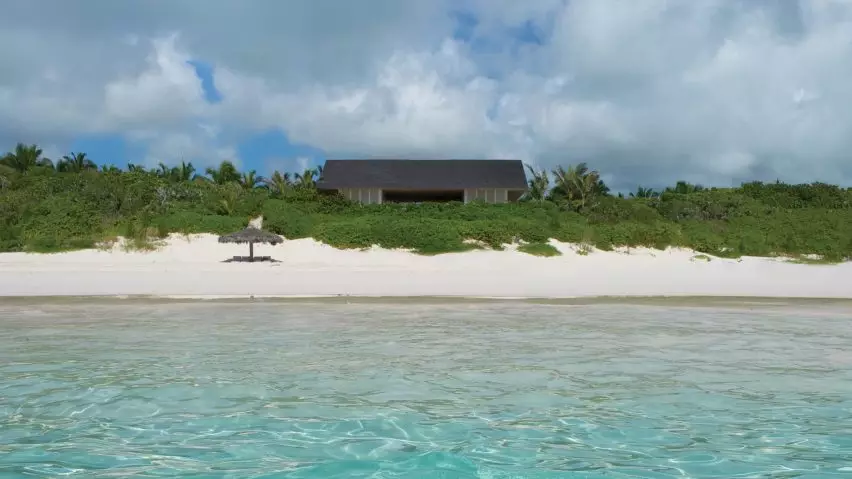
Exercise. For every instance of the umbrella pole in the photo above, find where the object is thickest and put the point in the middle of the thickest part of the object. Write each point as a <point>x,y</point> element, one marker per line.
<point>251,251</point>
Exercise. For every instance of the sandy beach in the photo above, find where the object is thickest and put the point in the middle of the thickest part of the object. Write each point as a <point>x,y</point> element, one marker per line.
<point>192,266</point>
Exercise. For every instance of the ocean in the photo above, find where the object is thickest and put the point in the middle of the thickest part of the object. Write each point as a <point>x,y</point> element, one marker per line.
<point>424,389</point>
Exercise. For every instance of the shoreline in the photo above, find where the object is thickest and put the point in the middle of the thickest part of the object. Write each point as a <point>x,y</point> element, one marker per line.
<point>733,302</point>
<point>191,268</point>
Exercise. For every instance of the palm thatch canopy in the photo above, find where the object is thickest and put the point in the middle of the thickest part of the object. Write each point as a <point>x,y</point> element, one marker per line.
<point>251,235</point>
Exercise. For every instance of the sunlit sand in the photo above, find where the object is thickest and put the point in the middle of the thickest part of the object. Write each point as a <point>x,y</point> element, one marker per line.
<point>192,266</point>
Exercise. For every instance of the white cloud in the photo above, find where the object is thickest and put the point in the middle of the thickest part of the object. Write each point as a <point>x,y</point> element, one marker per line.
<point>174,147</point>
<point>302,163</point>
<point>166,91</point>
<point>417,104</point>
<point>649,90</point>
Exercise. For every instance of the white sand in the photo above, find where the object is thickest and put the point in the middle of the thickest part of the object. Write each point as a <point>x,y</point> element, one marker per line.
<point>193,267</point>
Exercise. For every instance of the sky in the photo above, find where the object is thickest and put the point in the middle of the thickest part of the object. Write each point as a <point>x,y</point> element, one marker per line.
<point>645,91</point>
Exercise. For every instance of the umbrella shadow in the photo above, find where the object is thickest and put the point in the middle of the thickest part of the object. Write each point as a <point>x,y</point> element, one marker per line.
<point>251,259</point>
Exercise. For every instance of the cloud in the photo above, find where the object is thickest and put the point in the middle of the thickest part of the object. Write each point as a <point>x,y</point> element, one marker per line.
<point>649,91</point>
<point>303,164</point>
<point>416,104</point>
<point>166,91</point>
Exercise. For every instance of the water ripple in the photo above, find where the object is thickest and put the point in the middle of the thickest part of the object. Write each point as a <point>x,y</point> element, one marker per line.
<point>385,391</point>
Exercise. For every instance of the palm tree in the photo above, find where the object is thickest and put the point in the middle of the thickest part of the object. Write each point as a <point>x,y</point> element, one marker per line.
<point>25,158</point>
<point>134,168</point>
<point>591,187</point>
<point>685,188</point>
<point>278,183</point>
<point>539,184</point>
<point>184,172</point>
<point>75,163</point>
<point>306,179</point>
<point>250,180</point>
<point>565,182</point>
<point>179,174</point>
<point>224,174</point>
<point>601,188</point>
<point>577,185</point>
<point>163,171</point>
<point>644,193</point>
<point>110,169</point>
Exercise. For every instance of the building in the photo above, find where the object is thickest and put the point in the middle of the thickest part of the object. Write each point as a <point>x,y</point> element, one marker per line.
<point>381,181</point>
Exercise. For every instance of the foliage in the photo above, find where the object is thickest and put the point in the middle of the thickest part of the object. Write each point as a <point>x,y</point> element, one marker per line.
<point>224,174</point>
<point>684,188</point>
<point>75,163</point>
<point>73,204</point>
<point>307,179</point>
<point>25,158</point>
<point>538,185</point>
<point>644,193</point>
<point>539,249</point>
<point>577,187</point>
<point>278,184</point>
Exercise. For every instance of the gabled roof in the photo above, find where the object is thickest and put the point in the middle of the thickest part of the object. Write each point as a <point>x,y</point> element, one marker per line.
<point>423,174</point>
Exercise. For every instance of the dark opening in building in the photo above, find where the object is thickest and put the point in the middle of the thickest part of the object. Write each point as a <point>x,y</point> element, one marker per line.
<point>391,196</point>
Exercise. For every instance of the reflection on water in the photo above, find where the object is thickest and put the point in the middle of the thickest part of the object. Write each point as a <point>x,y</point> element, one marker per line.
<point>423,391</point>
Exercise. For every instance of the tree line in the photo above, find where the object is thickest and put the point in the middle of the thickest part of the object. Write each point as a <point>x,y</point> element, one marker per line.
<point>29,159</point>
<point>575,186</point>
<point>75,203</point>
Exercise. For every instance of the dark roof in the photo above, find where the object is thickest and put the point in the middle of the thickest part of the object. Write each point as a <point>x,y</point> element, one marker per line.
<point>423,174</point>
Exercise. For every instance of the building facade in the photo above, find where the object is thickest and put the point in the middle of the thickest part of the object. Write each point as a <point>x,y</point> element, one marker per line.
<point>383,181</point>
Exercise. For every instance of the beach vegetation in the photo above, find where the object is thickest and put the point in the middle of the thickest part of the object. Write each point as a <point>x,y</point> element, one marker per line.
<point>74,203</point>
<point>539,249</point>
<point>583,249</point>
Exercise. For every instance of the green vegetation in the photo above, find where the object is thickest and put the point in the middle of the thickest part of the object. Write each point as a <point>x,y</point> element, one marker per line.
<point>539,249</point>
<point>47,206</point>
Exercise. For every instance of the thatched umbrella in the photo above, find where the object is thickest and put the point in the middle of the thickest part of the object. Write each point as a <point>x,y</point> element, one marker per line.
<point>251,235</point>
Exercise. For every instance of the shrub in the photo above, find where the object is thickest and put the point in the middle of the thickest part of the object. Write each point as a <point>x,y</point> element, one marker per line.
<point>193,223</point>
<point>540,249</point>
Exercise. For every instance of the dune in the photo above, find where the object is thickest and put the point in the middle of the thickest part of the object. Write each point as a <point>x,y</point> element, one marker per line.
<point>191,266</point>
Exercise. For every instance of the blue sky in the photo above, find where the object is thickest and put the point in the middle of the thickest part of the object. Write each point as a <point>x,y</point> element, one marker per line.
<point>647,91</point>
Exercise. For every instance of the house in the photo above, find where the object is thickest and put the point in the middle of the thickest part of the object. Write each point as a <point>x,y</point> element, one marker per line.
<point>380,181</point>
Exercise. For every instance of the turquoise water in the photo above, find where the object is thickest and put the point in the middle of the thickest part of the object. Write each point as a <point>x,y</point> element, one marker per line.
<point>423,391</point>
